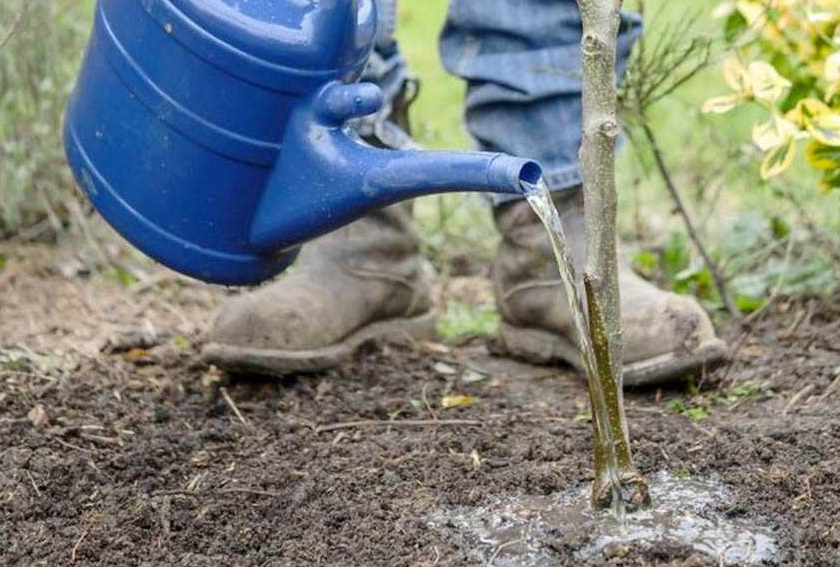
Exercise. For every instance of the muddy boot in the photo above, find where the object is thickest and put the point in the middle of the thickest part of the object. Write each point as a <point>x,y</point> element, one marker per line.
<point>666,335</point>
<point>362,283</point>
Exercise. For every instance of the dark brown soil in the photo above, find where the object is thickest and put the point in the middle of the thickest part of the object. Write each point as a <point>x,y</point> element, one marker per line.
<point>120,448</point>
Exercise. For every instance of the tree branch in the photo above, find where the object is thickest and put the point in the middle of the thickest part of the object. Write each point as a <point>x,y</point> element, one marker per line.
<point>15,25</point>
<point>665,173</point>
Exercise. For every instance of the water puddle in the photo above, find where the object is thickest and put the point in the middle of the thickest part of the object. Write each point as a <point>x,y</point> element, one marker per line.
<point>529,531</point>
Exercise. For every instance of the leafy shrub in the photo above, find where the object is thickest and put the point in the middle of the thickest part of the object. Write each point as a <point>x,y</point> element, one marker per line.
<point>786,59</point>
<point>37,67</point>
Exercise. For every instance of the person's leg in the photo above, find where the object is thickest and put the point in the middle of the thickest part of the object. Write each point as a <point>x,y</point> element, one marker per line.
<point>388,69</point>
<point>521,61</point>
<point>364,282</point>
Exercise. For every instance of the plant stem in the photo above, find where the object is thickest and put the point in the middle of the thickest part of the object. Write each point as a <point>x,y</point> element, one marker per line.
<point>665,173</point>
<point>615,475</point>
<point>15,24</point>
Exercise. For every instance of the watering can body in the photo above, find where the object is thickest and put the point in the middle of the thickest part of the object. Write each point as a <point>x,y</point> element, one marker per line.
<point>210,134</point>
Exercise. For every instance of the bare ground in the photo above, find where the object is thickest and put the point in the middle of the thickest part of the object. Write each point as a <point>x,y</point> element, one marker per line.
<point>120,447</point>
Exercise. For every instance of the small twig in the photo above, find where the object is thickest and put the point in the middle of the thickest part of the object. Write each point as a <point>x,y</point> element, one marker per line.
<point>229,401</point>
<point>35,486</point>
<point>710,434</point>
<point>158,279</point>
<point>777,287</point>
<point>199,493</point>
<point>93,243</point>
<point>798,396</point>
<point>190,493</point>
<point>70,445</point>
<point>425,399</point>
<point>733,354</point>
<point>22,374</point>
<point>78,543</point>
<point>800,315</point>
<point>500,549</point>
<point>248,491</point>
<point>15,25</point>
<point>816,234</point>
<point>401,422</point>
<point>665,173</point>
<point>830,390</point>
<point>113,441</point>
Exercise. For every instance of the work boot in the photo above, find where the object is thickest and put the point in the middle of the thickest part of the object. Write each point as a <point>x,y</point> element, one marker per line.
<point>365,282</point>
<point>362,283</point>
<point>666,336</point>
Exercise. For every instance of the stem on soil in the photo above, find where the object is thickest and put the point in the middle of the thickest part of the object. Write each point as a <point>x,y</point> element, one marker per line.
<point>616,477</point>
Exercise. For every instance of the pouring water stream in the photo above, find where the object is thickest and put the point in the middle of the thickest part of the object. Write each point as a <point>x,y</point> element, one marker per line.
<point>540,200</point>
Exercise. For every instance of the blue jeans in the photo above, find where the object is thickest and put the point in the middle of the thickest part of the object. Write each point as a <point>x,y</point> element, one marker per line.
<point>521,60</point>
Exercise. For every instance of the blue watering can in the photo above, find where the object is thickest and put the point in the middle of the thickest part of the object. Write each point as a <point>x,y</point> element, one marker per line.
<point>210,134</point>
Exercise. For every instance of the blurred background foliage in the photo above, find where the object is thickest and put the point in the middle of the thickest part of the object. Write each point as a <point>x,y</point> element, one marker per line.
<point>770,237</point>
<point>42,45</point>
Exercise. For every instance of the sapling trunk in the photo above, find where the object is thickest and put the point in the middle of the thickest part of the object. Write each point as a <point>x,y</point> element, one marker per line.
<point>616,477</point>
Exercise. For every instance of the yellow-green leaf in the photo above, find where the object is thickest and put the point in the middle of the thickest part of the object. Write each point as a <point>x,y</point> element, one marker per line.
<point>753,13</point>
<point>767,84</point>
<point>832,68</point>
<point>724,10</point>
<point>774,133</point>
<point>778,159</point>
<point>722,104</point>
<point>822,157</point>
<point>826,129</point>
<point>736,75</point>
<point>806,110</point>
<point>830,181</point>
<point>455,401</point>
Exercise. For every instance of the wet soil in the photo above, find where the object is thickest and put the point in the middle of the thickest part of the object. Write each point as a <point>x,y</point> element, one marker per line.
<point>118,446</point>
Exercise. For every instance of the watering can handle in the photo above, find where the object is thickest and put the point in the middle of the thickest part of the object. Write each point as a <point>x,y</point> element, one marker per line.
<point>339,102</point>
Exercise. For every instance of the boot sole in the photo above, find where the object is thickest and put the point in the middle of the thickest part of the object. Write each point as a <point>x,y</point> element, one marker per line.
<point>277,362</point>
<point>543,347</point>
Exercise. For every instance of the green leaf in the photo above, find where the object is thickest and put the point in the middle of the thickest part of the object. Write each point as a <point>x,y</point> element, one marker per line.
<point>722,104</point>
<point>778,159</point>
<point>121,276</point>
<point>781,229</point>
<point>742,391</point>
<point>767,84</point>
<point>830,181</point>
<point>676,405</point>
<point>734,26</point>
<point>675,256</point>
<point>822,157</point>
<point>645,263</point>
<point>679,406</point>
<point>461,319</point>
<point>697,413</point>
<point>748,304</point>
<point>825,129</point>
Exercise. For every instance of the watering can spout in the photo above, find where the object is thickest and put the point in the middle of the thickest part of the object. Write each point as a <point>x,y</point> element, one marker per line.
<point>326,178</point>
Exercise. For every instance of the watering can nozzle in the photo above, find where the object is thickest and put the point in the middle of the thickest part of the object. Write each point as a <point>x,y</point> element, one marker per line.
<point>326,178</point>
